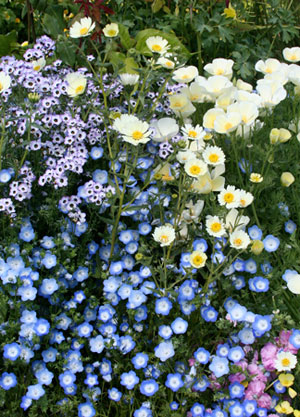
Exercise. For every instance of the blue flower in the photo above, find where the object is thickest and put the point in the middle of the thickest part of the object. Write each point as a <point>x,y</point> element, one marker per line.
<point>27,234</point>
<point>96,344</point>
<point>91,380</point>
<point>165,332</point>
<point>149,387</point>
<point>49,260</point>
<point>250,407</point>
<point>261,325</point>
<point>236,390</point>
<point>295,339</point>
<point>86,410</point>
<point>174,382</point>
<point>219,366</point>
<point>174,405</point>
<point>209,313</point>
<point>164,351</point>
<point>222,350</point>
<point>236,409</point>
<point>126,344</point>
<point>237,312</point>
<point>236,354</point>
<point>258,284</point>
<point>81,274</point>
<point>26,402</point>
<point>84,329</point>
<point>12,351</point>
<point>142,412</point>
<point>42,327</point>
<point>5,175</point>
<point>239,265</point>
<point>49,355</point>
<point>202,355</point>
<point>48,286</point>
<point>114,394</point>
<point>271,243</point>
<point>246,336</point>
<point>44,376</point>
<point>200,244</point>
<point>8,380</point>
<point>35,391</point>
<point>66,379</point>
<point>163,306</point>
<point>255,232</point>
<point>202,384</point>
<point>129,379</point>
<point>197,410</point>
<point>140,360</point>
<point>290,226</point>
<point>96,152</point>
<point>250,266</point>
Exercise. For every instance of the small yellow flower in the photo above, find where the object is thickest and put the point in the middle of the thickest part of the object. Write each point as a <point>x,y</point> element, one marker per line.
<point>286,380</point>
<point>198,259</point>
<point>284,408</point>
<point>292,393</point>
<point>287,179</point>
<point>229,12</point>
<point>296,413</point>
<point>17,20</point>
<point>256,178</point>
<point>257,247</point>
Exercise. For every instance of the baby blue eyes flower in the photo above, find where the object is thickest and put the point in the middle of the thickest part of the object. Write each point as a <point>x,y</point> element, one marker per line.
<point>8,380</point>
<point>258,284</point>
<point>164,351</point>
<point>219,366</point>
<point>129,379</point>
<point>86,410</point>
<point>140,360</point>
<point>5,176</point>
<point>255,232</point>
<point>271,243</point>
<point>96,152</point>
<point>174,382</point>
<point>49,260</point>
<point>27,234</point>
<point>179,326</point>
<point>149,387</point>
<point>35,391</point>
<point>163,306</point>
<point>290,226</point>
<point>202,355</point>
<point>114,394</point>
<point>12,351</point>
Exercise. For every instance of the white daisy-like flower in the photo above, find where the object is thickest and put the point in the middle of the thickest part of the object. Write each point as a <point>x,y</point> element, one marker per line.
<point>76,84</point>
<point>132,129</point>
<point>239,240</point>
<point>165,62</point>
<point>215,226</point>
<point>193,132</point>
<point>111,30</point>
<point>164,235</point>
<point>5,81</point>
<point>129,79</point>
<point>229,197</point>
<point>285,361</point>
<point>198,259</point>
<point>213,155</point>
<point>195,167</point>
<point>246,198</point>
<point>82,28</point>
<point>157,44</point>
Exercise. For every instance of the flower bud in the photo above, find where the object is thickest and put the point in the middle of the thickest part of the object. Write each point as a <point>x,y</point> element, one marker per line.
<point>274,136</point>
<point>257,247</point>
<point>284,135</point>
<point>287,179</point>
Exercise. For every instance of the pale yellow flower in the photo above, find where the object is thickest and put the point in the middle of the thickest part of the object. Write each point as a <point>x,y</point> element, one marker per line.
<point>287,179</point>
<point>255,177</point>
<point>111,30</point>
<point>198,259</point>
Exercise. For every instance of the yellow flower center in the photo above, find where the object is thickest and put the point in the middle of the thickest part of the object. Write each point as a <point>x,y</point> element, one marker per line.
<point>285,362</point>
<point>268,70</point>
<point>177,104</point>
<point>238,241</point>
<point>228,126</point>
<point>84,31</point>
<point>245,119</point>
<point>1,86</point>
<point>156,48</point>
<point>197,260</point>
<point>228,197</point>
<point>219,71</point>
<point>208,136</point>
<point>185,77</point>
<point>195,170</point>
<point>137,135</point>
<point>213,157</point>
<point>195,97</point>
<point>111,32</point>
<point>293,58</point>
<point>164,238</point>
<point>79,89</point>
<point>192,133</point>
<point>242,202</point>
<point>216,227</point>
<point>169,64</point>
<point>37,67</point>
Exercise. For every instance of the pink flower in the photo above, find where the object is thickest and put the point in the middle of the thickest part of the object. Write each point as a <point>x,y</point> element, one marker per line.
<point>192,361</point>
<point>264,401</point>
<point>237,377</point>
<point>255,370</point>
<point>254,390</point>
<point>268,355</point>
<point>284,341</point>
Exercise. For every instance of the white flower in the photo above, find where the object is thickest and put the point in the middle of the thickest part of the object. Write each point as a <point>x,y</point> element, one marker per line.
<point>210,181</point>
<point>82,28</point>
<point>291,54</point>
<point>194,92</point>
<point>239,239</point>
<point>214,86</point>
<point>294,74</point>
<point>157,44</point>
<point>129,79</point>
<point>198,259</point>
<point>195,167</point>
<point>193,211</point>
<point>181,105</point>
<point>164,129</point>
<point>228,122</point>
<point>185,74</point>
<point>213,155</point>
<point>247,109</point>
<point>111,30</point>
<point>229,197</point>
<point>5,81</point>
<point>184,156</point>
<point>246,198</point>
<point>165,62</point>
<point>210,117</point>
<point>193,132</point>
<point>268,66</point>
<point>235,221</point>
<point>76,84</point>
<point>132,129</point>
<point>220,66</point>
<point>165,235</point>
<point>242,85</point>
<point>39,64</point>
<point>293,283</point>
<point>215,226</point>
<point>285,361</point>
<point>271,92</point>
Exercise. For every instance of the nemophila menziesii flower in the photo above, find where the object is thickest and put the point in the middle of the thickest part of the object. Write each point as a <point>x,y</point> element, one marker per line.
<point>202,355</point>
<point>5,81</point>
<point>149,387</point>
<point>82,28</point>
<point>219,366</point>
<point>164,235</point>
<point>143,412</point>
<point>157,44</point>
<point>164,351</point>
<point>271,243</point>
<point>11,351</point>
<point>132,129</point>
<point>129,379</point>
<point>76,84</point>
<point>35,391</point>
<point>86,410</point>
<point>111,30</point>
<point>174,381</point>
<point>8,380</point>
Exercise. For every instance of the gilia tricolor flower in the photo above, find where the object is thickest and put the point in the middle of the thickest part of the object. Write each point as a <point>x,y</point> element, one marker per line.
<point>132,129</point>
<point>82,28</point>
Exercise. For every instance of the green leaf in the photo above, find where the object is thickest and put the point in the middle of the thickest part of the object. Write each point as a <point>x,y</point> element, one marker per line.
<point>3,307</point>
<point>157,5</point>
<point>53,21</point>
<point>66,51</point>
<point>176,46</point>
<point>7,42</point>
<point>130,66</point>
<point>117,59</point>
<point>125,38</point>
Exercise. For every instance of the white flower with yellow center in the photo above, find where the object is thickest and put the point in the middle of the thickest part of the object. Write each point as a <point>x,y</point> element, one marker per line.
<point>213,155</point>
<point>285,361</point>
<point>293,284</point>
<point>291,54</point>
<point>242,95</point>
<point>185,74</point>
<point>268,66</point>
<point>228,122</point>
<point>164,129</point>
<point>280,76</point>
<point>5,81</point>
<point>220,66</point>
<point>215,85</point>
<point>39,64</point>
<point>181,105</point>
<point>210,117</point>
<point>129,79</point>
<point>227,98</point>
<point>193,132</point>
<point>210,181</point>
<point>164,235</point>
<point>239,240</point>
<point>111,30</point>
<point>184,156</point>
<point>235,221</point>
<point>229,197</point>
<point>215,226</point>
<point>157,44</point>
<point>246,198</point>
<point>76,84</point>
<point>242,85</point>
<point>195,167</point>
<point>256,178</point>
<point>271,92</point>
<point>198,259</point>
<point>247,109</point>
<point>294,74</point>
<point>132,129</point>
<point>165,62</point>
<point>82,28</point>
<point>195,93</point>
